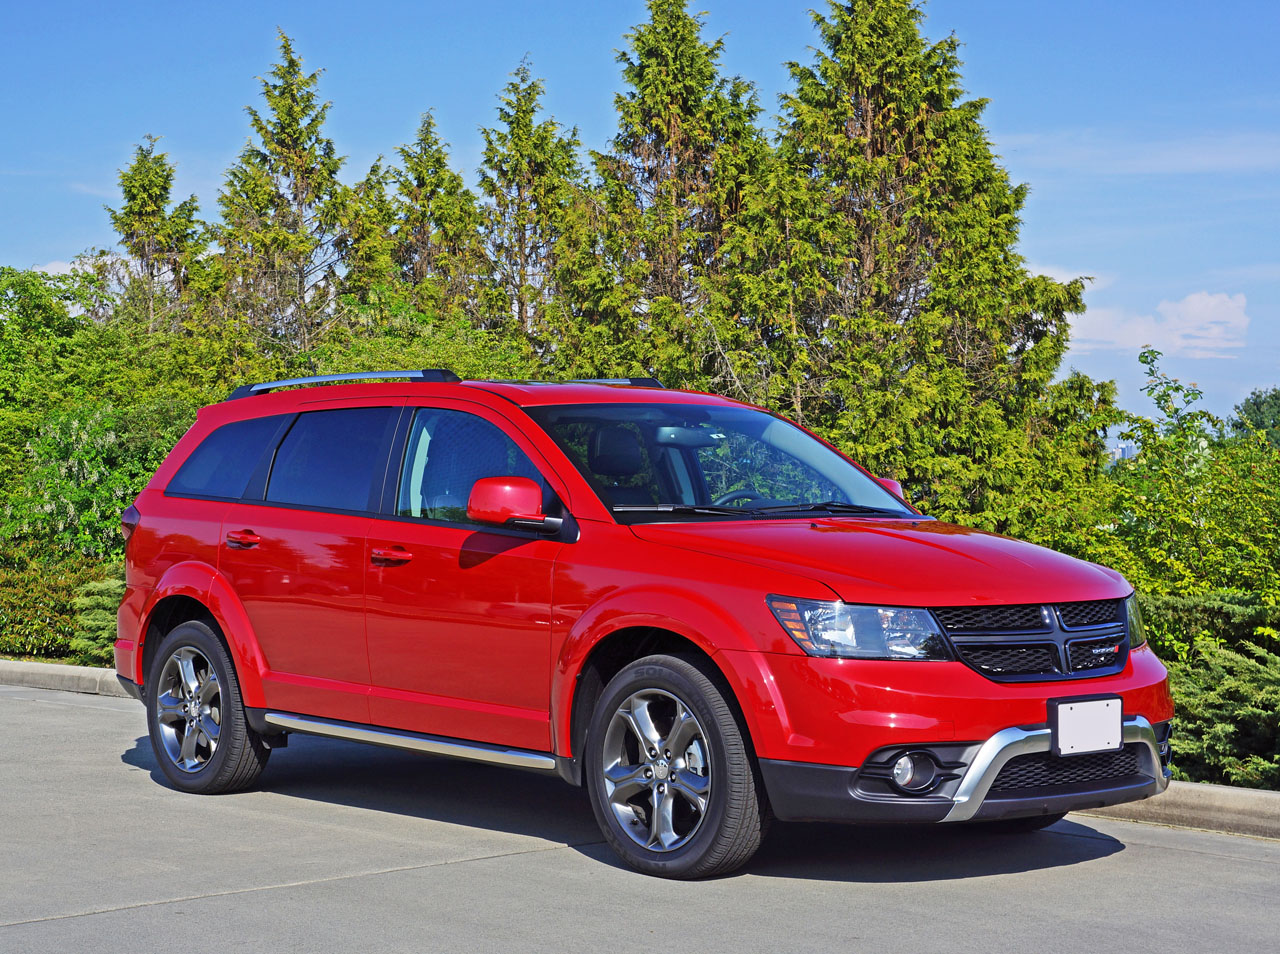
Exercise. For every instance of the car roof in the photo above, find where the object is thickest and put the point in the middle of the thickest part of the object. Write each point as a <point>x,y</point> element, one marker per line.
<point>286,397</point>
<point>542,393</point>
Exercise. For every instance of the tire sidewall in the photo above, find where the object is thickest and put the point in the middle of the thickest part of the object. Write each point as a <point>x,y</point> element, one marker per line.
<point>198,636</point>
<point>648,674</point>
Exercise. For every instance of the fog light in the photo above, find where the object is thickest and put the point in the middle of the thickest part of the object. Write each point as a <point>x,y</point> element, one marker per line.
<point>914,772</point>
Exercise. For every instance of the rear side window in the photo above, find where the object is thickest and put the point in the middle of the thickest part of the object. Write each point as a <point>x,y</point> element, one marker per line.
<point>330,459</point>
<point>225,460</point>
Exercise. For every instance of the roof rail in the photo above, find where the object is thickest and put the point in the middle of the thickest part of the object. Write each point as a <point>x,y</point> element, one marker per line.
<point>634,382</point>
<point>426,375</point>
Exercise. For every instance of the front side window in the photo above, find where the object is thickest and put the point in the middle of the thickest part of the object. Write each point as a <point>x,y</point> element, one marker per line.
<point>447,452</point>
<point>334,460</point>
<point>681,461</point>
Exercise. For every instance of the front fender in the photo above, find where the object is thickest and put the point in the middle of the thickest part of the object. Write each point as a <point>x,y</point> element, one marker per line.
<point>697,620</point>
<point>202,583</point>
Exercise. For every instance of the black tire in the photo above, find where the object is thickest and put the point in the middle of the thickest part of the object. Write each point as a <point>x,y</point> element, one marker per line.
<point>1021,826</point>
<point>712,841</point>
<point>198,731</point>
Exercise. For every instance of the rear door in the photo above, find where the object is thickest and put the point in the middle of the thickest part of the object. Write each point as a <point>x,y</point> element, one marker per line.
<point>296,557</point>
<point>459,614</point>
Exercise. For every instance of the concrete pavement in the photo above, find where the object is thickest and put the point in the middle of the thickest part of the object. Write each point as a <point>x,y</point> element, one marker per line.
<point>351,848</point>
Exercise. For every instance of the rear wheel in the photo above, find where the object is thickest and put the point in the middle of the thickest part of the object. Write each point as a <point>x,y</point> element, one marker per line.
<point>195,715</point>
<point>672,784</point>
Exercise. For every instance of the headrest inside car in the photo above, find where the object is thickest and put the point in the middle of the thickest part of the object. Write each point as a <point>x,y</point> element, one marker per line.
<point>615,452</point>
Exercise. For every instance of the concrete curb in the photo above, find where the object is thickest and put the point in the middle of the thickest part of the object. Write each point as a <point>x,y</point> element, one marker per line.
<point>34,675</point>
<point>1238,811</point>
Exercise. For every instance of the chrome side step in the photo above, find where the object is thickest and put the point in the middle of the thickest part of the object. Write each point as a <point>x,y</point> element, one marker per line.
<point>431,744</point>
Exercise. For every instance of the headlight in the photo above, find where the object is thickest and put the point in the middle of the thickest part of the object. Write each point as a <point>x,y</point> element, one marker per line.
<point>860,632</point>
<point>1133,613</point>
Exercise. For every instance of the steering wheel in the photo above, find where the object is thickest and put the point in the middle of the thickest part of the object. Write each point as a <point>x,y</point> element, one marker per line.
<point>735,495</point>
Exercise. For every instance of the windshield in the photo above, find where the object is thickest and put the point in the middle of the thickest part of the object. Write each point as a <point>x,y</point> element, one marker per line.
<point>662,462</point>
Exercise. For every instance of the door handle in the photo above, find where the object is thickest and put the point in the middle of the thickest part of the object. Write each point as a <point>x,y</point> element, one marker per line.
<point>243,539</point>
<point>390,556</point>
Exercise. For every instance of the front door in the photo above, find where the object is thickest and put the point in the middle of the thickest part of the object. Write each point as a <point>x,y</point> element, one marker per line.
<point>459,615</point>
<point>297,559</point>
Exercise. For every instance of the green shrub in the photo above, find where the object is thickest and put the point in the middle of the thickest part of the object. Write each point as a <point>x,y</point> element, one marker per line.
<point>96,603</point>
<point>1177,625</point>
<point>37,594</point>
<point>1228,716</point>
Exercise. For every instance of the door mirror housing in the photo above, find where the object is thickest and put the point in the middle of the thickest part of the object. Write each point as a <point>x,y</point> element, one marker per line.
<point>891,485</point>
<point>510,502</point>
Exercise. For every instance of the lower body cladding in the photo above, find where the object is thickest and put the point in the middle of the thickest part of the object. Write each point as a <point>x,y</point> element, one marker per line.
<point>1015,773</point>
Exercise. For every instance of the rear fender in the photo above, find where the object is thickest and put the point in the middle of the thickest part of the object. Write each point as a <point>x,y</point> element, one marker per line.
<point>202,583</point>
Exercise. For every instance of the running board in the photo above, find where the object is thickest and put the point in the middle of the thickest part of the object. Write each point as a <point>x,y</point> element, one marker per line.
<point>431,744</point>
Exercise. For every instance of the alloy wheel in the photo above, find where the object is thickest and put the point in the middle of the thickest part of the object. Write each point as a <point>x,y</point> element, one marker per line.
<point>657,770</point>
<point>189,709</point>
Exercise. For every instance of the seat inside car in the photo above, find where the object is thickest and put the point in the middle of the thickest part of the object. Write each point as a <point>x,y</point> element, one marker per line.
<point>615,453</point>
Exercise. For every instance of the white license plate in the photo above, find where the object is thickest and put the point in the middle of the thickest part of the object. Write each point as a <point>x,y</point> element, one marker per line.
<point>1085,725</point>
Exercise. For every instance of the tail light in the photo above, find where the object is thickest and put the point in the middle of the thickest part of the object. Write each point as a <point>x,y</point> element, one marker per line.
<point>129,521</point>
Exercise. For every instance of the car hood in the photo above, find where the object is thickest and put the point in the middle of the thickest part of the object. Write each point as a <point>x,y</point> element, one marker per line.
<point>900,562</point>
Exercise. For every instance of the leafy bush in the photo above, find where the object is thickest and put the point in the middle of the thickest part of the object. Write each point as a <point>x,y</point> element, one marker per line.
<point>84,468</point>
<point>37,595</point>
<point>1228,722</point>
<point>1195,511</point>
<point>96,603</point>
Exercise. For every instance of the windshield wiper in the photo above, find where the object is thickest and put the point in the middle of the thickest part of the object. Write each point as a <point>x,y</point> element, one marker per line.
<point>683,508</point>
<point>831,506</point>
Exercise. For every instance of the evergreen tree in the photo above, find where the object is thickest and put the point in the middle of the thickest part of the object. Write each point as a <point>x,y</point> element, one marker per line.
<point>686,152</point>
<point>528,174</point>
<point>162,241</point>
<point>437,230</point>
<point>905,325</point>
<point>365,245</point>
<point>281,205</point>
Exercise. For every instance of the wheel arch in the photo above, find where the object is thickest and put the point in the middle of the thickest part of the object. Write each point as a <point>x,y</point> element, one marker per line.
<point>610,652</point>
<point>195,591</point>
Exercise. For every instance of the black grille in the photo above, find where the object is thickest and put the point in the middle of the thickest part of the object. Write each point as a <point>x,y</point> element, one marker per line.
<point>1046,770</point>
<point>1006,660</point>
<point>990,619</point>
<point>1093,613</point>
<point>1096,653</point>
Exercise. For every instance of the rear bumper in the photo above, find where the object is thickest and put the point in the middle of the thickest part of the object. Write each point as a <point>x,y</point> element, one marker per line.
<point>801,791</point>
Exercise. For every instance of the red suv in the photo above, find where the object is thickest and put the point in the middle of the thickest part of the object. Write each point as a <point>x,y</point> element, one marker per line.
<point>702,612</point>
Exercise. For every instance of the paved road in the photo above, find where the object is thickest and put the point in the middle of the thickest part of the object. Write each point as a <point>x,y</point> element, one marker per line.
<point>347,848</point>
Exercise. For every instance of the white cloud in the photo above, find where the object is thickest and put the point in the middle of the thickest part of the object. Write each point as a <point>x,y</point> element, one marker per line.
<point>1202,325</point>
<point>55,267</point>
<point>1086,151</point>
<point>1060,274</point>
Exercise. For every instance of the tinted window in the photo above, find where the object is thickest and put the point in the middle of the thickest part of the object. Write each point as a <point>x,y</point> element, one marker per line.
<point>712,456</point>
<point>448,452</point>
<point>223,463</point>
<point>330,459</point>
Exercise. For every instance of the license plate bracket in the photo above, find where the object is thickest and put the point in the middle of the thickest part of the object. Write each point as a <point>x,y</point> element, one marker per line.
<point>1086,724</point>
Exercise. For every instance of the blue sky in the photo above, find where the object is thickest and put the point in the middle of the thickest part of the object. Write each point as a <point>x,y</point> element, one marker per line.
<point>1149,132</point>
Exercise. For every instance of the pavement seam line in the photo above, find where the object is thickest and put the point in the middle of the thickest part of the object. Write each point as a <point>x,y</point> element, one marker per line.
<point>293,884</point>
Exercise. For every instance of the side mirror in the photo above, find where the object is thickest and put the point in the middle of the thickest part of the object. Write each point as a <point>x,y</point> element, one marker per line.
<point>891,485</point>
<point>510,502</point>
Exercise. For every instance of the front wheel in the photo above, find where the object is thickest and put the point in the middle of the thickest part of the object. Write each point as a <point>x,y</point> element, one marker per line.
<point>195,715</point>
<point>672,783</point>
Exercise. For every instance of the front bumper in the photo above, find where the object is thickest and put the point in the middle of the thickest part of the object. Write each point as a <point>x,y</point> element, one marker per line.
<point>800,791</point>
